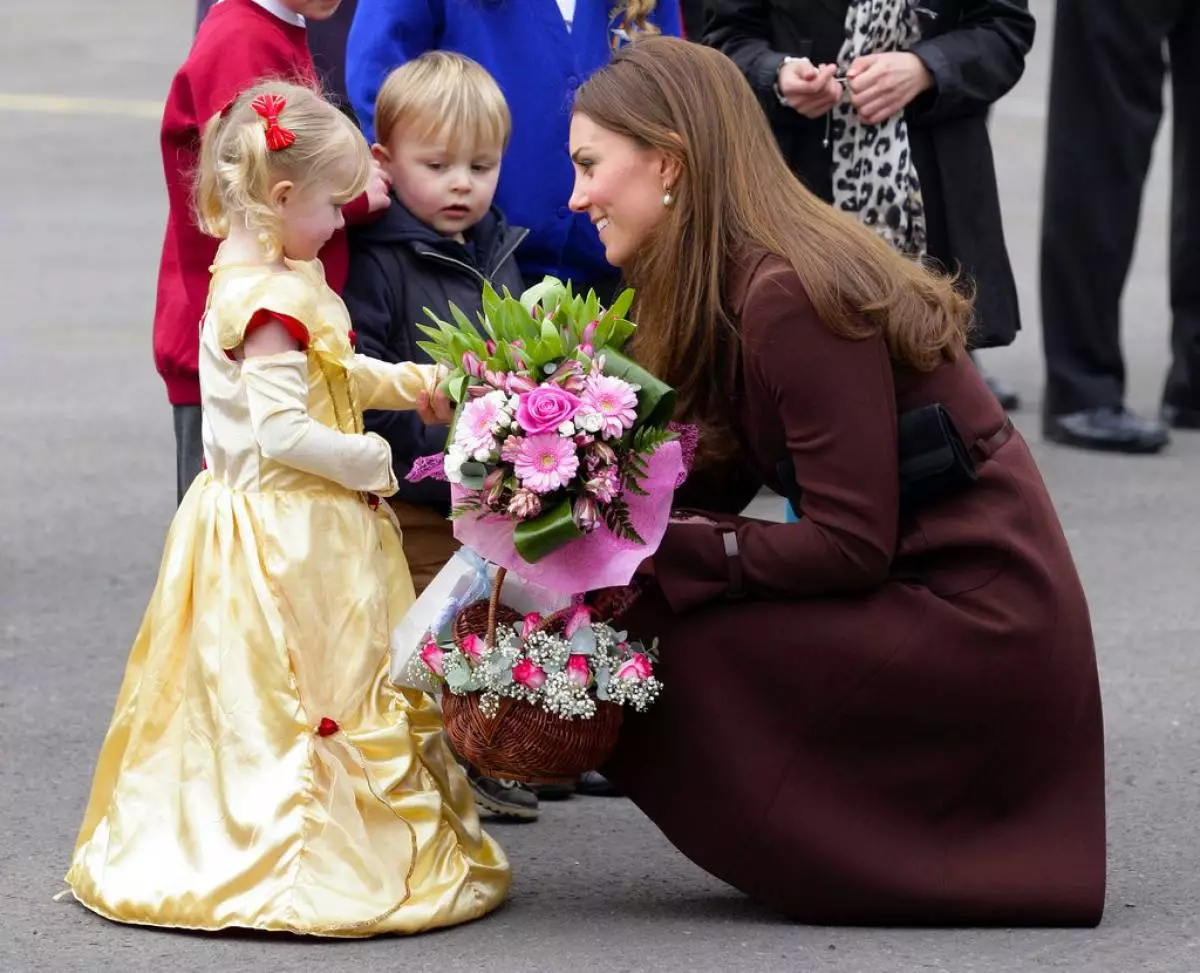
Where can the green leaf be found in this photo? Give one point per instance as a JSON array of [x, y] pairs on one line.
[[435, 352], [620, 307], [543, 535], [473, 474], [457, 386]]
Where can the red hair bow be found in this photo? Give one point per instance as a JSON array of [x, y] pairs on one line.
[[269, 107]]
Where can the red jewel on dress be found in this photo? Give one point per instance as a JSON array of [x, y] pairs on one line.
[[353, 338], [327, 727]]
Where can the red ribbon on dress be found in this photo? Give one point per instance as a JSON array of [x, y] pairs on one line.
[[268, 107]]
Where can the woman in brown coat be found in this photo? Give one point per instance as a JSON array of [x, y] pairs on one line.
[[887, 712]]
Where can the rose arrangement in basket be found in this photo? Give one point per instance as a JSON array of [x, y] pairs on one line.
[[564, 664], [560, 458]]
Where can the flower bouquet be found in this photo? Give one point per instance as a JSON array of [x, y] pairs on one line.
[[562, 469]]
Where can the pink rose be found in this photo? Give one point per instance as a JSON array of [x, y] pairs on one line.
[[472, 647], [432, 656], [526, 674], [581, 617], [529, 623], [578, 671], [545, 409], [637, 666]]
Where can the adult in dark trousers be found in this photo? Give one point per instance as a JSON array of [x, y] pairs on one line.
[[1106, 101], [327, 40], [881, 109]]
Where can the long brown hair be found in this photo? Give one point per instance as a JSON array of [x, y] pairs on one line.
[[734, 193]]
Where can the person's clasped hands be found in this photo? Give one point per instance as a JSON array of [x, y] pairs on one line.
[[879, 85]]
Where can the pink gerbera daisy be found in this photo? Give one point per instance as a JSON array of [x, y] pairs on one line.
[[546, 462], [475, 425], [613, 399]]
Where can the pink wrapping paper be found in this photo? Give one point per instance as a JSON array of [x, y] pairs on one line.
[[596, 560]]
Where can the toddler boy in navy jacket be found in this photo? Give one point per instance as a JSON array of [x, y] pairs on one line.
[[441, 126]]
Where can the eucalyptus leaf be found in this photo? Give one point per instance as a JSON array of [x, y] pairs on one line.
[[603, 677], [457, 678], [583, 642]]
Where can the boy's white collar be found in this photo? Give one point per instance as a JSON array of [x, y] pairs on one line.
[[279, 10]]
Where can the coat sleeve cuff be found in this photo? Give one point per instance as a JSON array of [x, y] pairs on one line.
[[692, 565], [767, 71], [936, 99]]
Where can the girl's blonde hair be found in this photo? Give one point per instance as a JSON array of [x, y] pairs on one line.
[[443, 94], [237, 170], [633, 14]]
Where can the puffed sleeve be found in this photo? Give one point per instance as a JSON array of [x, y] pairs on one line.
[[835, 400], [248, 303]]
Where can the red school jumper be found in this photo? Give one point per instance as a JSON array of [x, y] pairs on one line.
[[238, 44]]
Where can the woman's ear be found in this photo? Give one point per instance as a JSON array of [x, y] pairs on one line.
[[280, 194], [671, 163], [670, 169]]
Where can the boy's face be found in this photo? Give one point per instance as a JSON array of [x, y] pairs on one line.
[[313, 9], [449, 191]]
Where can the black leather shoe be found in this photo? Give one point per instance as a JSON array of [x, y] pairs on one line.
[[1180, 417], [1005, 394], [592, 783], [1107, 429], [554, 792]]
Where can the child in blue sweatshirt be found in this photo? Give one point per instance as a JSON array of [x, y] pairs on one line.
[[540, 52]]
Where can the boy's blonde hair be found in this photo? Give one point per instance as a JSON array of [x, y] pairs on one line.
[[237, 170], [443, 94]]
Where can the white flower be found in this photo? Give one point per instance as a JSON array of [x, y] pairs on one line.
[[514, 402], [503, 420], [453, 463], [482, 455], [591, 422], [567, 429]]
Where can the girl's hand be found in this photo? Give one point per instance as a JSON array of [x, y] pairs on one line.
[[882, 85], [435, 409]]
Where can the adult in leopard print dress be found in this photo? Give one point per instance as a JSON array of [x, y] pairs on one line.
[[894, 125]]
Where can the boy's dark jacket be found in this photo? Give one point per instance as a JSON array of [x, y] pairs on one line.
[[398, 266]]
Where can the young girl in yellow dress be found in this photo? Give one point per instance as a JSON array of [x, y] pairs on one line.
[[260, 770]]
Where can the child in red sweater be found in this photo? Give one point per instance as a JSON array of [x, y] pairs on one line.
[[238, 43]]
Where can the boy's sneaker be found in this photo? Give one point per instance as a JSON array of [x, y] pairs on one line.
[[503, 797]]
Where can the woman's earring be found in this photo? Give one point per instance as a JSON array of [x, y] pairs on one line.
[[668, 199]]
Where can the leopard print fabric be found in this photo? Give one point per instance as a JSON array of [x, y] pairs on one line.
[[874, 178]]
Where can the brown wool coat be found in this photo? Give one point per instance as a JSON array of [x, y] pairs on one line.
[[900, 721]]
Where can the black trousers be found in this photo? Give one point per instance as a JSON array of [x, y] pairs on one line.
[[1106, 102]]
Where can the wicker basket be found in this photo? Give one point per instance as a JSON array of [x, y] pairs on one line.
[[522, 741]]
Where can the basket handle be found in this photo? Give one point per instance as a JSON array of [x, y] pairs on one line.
[[494, 607]]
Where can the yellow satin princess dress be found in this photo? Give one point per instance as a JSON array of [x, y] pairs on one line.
[[260, 770]]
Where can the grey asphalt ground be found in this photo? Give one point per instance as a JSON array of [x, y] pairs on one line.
[[86, 469]]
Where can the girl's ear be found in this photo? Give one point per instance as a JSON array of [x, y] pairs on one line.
[[380, 154], [280, 194]]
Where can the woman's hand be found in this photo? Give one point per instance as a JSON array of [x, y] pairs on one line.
[[809, 90], [881, 85]]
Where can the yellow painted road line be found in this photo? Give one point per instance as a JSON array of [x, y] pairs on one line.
[[63, 105]]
